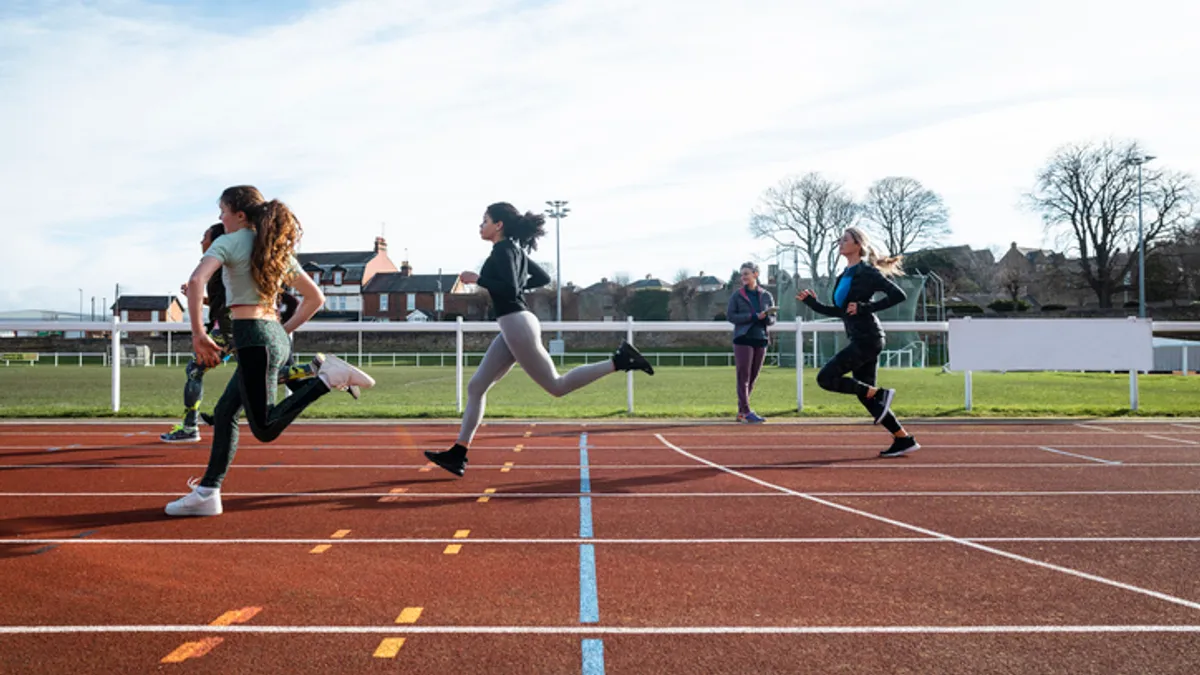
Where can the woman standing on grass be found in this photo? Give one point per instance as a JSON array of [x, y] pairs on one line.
[[751, 309], [255, 257], [852, 294], [507, 274]]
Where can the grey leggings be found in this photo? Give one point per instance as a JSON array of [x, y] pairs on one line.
[[520, 341]]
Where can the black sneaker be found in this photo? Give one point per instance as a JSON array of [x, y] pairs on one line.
[[206, 418], [453, 460], [901, 446], [626, 357], [884, 398]]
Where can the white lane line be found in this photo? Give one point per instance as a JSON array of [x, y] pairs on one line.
[[932, 533], [867, 464], [1072, 454], [1095, 426], [1177, 440], [282, 541], [407, 629], [634, 495], [801, 449]]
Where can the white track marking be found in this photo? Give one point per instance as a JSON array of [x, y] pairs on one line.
[[932, 533], [1071, 454], [285, 541], [251, 629], [1177, 440], [401, 496]]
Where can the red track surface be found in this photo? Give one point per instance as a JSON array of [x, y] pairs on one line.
[[996, 548]]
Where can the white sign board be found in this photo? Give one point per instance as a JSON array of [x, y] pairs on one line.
[[1051, 344], [557, 347]]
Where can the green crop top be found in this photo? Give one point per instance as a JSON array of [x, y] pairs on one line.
[[233, 251]]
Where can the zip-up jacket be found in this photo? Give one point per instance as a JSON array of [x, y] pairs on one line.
[[740, 312], [866, 281], [507, 274]]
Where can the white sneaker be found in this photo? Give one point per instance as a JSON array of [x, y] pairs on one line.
[[337, 374], [196, 504]]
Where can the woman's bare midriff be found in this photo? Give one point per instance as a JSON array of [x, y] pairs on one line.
[[253, 312]]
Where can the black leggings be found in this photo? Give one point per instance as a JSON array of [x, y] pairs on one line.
[[861, 361], [252, 388]]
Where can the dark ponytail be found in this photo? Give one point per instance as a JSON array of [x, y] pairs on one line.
[[523, 229]]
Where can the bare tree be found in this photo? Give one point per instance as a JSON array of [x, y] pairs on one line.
[[1087, 197], [684, 291], [621, 293], [1013, 281], [808, 213], [905, 214]]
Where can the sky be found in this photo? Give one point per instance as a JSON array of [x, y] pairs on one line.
[[662, 123]]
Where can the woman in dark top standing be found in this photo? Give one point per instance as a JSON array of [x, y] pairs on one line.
[[852, 303], [507, 274], [751, 309]]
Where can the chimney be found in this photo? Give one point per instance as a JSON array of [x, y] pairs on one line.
[[380, 245], [405, 269]]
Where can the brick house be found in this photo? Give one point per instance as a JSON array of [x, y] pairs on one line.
[[342, 277], [395, 296], [133, 308]]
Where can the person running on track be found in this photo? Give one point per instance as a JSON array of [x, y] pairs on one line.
[[507, 274], [866, 274]]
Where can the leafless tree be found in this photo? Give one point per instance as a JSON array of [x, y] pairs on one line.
[[807, 212], [1087, 195], [1013, 281], [905, 214]]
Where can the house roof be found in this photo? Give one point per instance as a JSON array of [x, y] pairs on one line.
[[395, 282], [343, 258], [706, 280], [648, 284], [145, 302], [352, 264], [600, 287]]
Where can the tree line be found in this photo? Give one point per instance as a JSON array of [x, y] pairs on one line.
[[1087, 195]]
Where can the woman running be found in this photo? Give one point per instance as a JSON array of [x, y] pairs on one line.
[[852, 294], [507, 274], [255, 256], [219, 327]]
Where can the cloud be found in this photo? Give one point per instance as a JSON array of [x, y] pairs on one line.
[[124, 120]]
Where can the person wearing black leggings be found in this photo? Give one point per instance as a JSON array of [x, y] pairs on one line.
[[255, 257], [866, 275]]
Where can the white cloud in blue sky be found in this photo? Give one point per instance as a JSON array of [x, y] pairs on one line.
[[121, 121]]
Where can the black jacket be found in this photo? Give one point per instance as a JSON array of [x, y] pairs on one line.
[[866, 282], [507, 274]]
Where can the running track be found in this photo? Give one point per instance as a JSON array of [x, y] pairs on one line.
[[607, 548]]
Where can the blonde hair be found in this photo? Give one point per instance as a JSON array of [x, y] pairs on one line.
[[889, 266]]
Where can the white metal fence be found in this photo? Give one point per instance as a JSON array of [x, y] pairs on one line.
[[460, 328]]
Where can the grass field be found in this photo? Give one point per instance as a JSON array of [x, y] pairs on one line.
[[428, 392]]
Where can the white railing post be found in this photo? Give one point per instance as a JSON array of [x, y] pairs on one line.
[[1185, 363], [800, 364], [1133, 389], [967, 390], [629, 375], [458, 363], [116, 363]]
